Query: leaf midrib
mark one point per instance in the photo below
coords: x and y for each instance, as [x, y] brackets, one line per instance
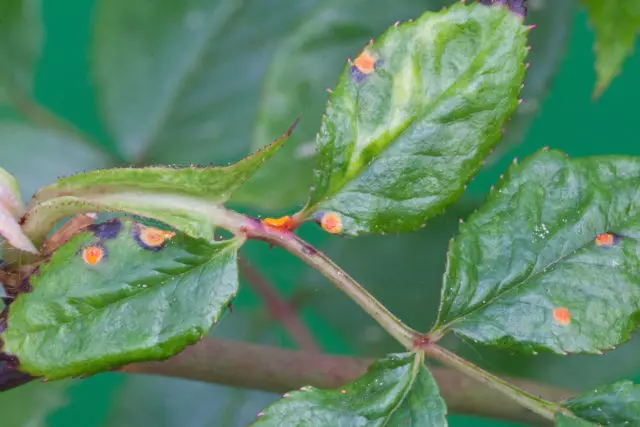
[141, 292]
[416, 364]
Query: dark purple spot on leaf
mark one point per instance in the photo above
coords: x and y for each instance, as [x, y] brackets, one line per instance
[516, 6]
[357, 75]
[107, 230]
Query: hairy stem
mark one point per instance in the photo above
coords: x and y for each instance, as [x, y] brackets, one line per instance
[319, 261]
[535, 404]
[277, 307]
[273, 369]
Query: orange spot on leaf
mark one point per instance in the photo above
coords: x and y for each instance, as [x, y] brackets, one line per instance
[605, 239]
[331, 223]
[92, 255]
[150, 237]
[285, 222]
[365, 63]
[562, 316]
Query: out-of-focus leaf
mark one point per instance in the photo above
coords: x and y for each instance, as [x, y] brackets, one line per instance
[38, 157]
[10, 211]
[413, 262]
[396, 391]
[180, 83]
[412, 119]
[568, 421]
[616, 23]
[118, 294]
[307, 62]
[31, 404]
[616, 404]
[553, 21]
[188, 199]
[551, 260]
[20, 43]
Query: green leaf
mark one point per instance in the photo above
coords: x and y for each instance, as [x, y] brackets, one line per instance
[397, 391]
[306, 62]
[20, 43]
[138, 301]
[550, 262]
[401, 138]
[10, 211]
[30, 405]
[188, 199]
[568, 421]
[615, 404]
[180, 83]
[616, 23]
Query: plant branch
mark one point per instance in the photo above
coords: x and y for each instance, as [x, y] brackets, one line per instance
[277, 307]
[538, 405]
[278, 370]
[285, 239]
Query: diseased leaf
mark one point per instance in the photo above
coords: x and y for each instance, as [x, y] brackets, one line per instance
[568, 421]
[616, 23]
[550, 262]
[37, 157]
[118, 294]
[397, 391]
[616, 404]
[412, 119]
[187, 199]
[20, 43]
[180, 83]
[305, 63]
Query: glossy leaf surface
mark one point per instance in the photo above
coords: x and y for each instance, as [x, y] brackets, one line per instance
[617, 24]
[616, 404]
[115, 295]
[412, 119]
[396, 391]
[550, 261]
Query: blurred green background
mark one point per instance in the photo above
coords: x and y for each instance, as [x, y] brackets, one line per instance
[403, 271]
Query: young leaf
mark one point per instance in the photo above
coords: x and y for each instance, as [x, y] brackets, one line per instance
[304, 64]
[568, 421]
[550, 261]
[616, 404]
[616, 23]
[397, 390]
[412, 119]
[20, 43]
[117, 294]
[10, 211]
[187, 199]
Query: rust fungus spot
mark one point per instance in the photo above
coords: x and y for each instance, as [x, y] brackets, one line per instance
[562, 316]
[365, 63]
[331, 223]
[607, 239]
[285, 222]
[150, 237]
[93, 254]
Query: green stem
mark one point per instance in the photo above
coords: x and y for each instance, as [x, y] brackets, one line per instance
[319, 261]
[540, 406]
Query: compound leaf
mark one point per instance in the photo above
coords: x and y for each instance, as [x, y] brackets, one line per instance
[396, 391]
[119, 293]
[616, 404]
[550, 262]
[617, 23]
[412, 119]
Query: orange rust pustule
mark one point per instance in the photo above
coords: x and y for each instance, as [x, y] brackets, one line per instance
[93, 254]
[151, 238]
[606, 239]
[365, 63]
[562, 316]
[331, 223]
[285, 222]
